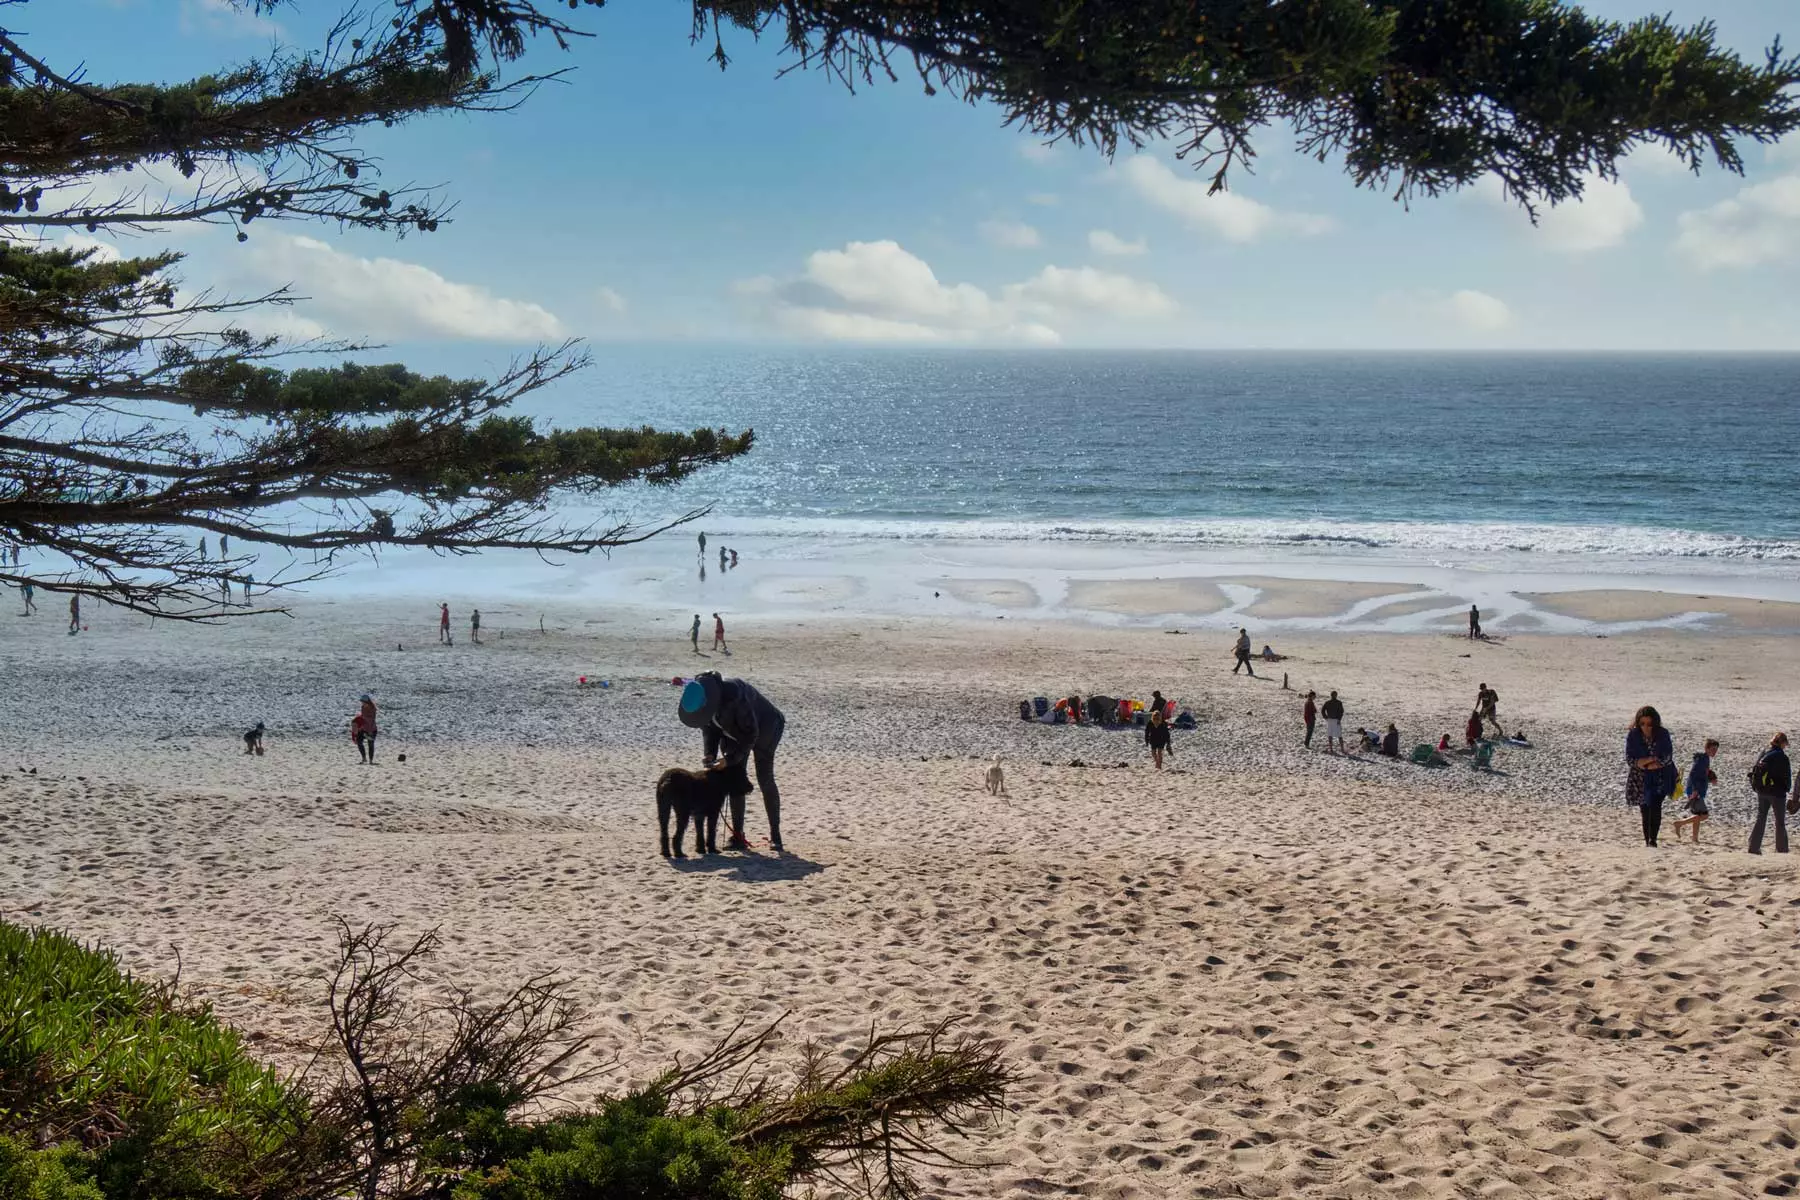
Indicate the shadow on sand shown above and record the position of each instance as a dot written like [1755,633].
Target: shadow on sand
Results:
[753,867]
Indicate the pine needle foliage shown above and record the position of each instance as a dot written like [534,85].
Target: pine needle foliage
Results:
[1417,96]
[141,421]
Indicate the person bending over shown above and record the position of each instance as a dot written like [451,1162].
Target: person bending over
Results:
[738,723]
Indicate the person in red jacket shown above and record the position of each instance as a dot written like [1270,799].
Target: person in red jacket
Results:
[363,730]
[1472,731]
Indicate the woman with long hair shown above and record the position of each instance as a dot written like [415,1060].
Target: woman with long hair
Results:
[1650,755]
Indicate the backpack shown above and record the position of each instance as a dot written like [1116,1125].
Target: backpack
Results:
[1762,775]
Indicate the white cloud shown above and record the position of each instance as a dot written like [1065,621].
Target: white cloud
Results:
[1478,312]
[1037,152]
[220,18]
[1761,224]
[387,298]
[1056,290]
[878,291]
[1604,216]
[1010,235]
[610,301]
[1654,160]
[1104,241]
[103,251]
[1230,215]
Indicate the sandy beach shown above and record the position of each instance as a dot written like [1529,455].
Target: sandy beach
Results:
[1265,972]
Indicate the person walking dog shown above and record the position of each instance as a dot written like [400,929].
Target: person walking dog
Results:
[738,724]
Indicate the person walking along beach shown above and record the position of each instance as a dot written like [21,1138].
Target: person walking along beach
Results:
[1157,737]
[737,723]
[443,624]
[1770,779]
[475,627]
[1333,712]
[694,633]
[29,593]
[1474,623]
[1651,780]
[1243,654]
[363,730]
[74,613]
[1487,700]
[719,633]
[702,543]
[1309,713]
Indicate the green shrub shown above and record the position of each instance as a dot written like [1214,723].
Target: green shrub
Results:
[632,1147]
[164,1095]
[60,1173]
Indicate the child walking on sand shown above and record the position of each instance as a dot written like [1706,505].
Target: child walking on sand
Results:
[1156,736]
[719,633]
[1700,779]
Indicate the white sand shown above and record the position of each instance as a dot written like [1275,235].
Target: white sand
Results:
[1265,973]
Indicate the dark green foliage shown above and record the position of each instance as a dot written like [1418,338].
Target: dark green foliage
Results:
[164,1099]
[1422,95]
[64,1172]
[631,1147]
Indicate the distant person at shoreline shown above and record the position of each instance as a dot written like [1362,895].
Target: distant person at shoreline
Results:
[1309,712]
[1474,622]
[1333,712]
[1770,779]
[703,543]
[363,730]
[74,613]
[722,558]
[1651,780]
[1157,737]
[1699,781]
[1243,654]
[253,740]
[444,624]
[29,593]
[475,627]
[734,560]
[719,634]
[694,633]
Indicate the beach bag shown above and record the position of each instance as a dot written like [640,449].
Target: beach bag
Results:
[1024,710]
[1762,777]
[1040,704]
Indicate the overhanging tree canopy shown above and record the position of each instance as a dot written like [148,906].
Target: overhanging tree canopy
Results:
[1421,95]
[136,417]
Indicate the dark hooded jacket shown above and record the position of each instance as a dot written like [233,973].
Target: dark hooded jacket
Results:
[745,722]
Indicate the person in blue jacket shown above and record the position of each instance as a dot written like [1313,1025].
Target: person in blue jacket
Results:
[1650,755]
[1699,781]
[740,725]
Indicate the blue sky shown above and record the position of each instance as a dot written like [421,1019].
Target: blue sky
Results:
[652,197]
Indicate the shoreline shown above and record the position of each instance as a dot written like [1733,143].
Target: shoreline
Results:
[1108,588]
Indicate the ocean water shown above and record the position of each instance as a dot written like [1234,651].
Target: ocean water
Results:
[1568,459]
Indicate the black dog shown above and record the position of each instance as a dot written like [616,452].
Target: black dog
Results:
[696,794]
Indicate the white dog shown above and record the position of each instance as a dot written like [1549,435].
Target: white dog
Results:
[996,779]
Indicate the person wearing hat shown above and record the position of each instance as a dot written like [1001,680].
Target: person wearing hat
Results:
[738,723]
